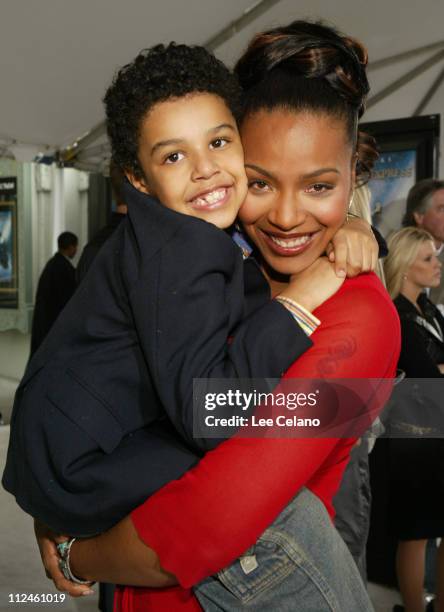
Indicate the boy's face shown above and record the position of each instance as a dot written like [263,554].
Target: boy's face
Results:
[192,158]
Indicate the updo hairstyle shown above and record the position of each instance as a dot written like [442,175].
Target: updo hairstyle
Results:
[309,66]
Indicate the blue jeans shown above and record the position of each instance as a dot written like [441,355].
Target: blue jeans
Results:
[299,563]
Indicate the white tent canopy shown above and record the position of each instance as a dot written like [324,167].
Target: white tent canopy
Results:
[57,57]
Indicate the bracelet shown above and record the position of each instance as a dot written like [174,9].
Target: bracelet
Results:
[306,320]
[64,549]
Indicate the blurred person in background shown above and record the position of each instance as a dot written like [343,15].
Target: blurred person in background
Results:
[56,286]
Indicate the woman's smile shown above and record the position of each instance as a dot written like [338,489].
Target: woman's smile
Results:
[288,245]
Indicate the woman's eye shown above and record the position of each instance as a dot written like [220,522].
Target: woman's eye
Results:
[219,143]
[172,158]
[258,185]
[319,188]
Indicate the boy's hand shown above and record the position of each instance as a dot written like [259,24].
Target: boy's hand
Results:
[353,249]
[47,541]
[314,285]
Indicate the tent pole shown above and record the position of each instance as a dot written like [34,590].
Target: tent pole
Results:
[429,94]
[405,78]
[399,57]
[247,17]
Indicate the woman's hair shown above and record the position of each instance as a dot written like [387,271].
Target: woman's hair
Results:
[310,67]
[360,206]
[155,75]
[403,250]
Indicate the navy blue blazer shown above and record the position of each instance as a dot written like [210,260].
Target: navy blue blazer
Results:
[104,414]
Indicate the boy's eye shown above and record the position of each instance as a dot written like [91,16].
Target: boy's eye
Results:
[319,188]
[218,143]
[172,158]
[258,185]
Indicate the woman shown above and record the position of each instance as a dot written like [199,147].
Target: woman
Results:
[416,486]
[305,87]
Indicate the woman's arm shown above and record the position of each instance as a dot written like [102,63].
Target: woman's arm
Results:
[121,547]
[95,559]
[205,520]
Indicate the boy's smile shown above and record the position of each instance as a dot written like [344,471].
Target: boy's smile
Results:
[192,158]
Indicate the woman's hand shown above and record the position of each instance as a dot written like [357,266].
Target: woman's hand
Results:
[47,541]
[314,285]
[117,556]
[354,248]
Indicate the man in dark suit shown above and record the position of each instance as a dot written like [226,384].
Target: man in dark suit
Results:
[56,286]
[425,209]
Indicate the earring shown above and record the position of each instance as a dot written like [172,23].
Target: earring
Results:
[404,276]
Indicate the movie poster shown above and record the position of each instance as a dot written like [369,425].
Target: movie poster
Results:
[8,243]
[393,175]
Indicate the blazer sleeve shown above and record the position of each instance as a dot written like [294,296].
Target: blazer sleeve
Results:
[195,328]
[206,519]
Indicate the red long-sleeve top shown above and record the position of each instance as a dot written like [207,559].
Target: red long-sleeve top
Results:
[209,517]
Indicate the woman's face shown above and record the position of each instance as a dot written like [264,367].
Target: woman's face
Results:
[425,271]
[300,169]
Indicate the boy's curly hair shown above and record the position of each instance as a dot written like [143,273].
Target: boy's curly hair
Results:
[156,75]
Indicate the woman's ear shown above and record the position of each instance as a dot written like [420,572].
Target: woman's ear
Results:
[137,182]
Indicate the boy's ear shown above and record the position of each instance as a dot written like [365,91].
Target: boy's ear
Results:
[138,183]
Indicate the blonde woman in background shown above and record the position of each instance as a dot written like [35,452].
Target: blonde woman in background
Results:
[416,465]
[360,206]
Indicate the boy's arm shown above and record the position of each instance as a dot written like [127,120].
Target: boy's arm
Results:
[191,325]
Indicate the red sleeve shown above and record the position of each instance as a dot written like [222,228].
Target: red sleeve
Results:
[202,522]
